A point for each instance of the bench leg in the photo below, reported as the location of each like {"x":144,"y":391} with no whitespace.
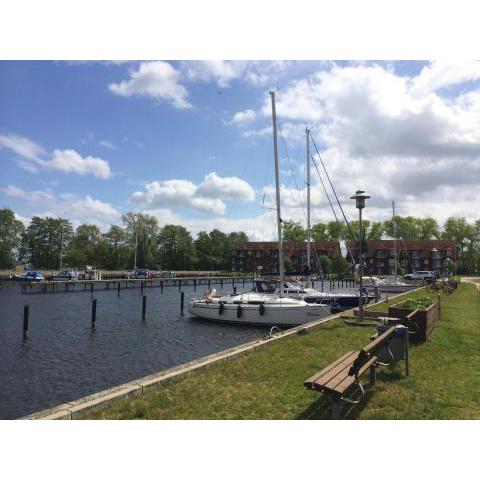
{"x":336,"y":407}
{"x":373,"y":375}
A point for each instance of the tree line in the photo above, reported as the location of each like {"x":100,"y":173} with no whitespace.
{"x":50,"y":243}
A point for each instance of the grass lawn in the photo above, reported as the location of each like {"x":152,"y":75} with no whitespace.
{"x":444,"y":380}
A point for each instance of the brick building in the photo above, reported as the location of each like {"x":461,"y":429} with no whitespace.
{"x":247,"y":256}
{"x":412,"y":255}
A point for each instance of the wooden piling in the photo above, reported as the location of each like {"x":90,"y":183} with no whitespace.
{"x":26,"y":311}
{"x":234,"y":290}
{"x":94,"y":312}
{"x":118,"y":289}
{"x":144,"y":307}
{"x":182,"y":300}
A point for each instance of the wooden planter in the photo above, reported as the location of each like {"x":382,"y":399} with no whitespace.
{"x":421,"y":322}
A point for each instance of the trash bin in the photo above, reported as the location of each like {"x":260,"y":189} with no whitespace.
{"x":396,"y":345}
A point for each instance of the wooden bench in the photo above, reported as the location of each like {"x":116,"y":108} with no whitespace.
{"x":340,"y":381}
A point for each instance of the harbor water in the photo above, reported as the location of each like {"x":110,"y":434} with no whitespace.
{"x":63,"y":358}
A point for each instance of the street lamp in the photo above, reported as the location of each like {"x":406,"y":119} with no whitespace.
{"x":434,"y":251}
{"x":360,"y":197}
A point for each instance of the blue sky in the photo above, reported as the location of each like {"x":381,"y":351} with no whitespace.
{"x":190,"y":142}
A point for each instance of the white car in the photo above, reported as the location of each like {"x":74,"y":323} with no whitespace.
{"x":420,"y":275}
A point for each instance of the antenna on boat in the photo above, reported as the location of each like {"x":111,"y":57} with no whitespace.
{"x":277,"y":191}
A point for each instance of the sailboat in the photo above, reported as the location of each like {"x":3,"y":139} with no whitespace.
{"x":337,"y":302}
{"x":260,"y":308}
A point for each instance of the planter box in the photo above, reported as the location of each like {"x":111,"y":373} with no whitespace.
{"x":422,"y":322}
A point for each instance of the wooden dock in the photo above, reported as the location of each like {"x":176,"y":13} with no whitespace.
{"x":63,"y":286}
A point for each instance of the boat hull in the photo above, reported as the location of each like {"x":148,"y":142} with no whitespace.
{"x":251,"y":314}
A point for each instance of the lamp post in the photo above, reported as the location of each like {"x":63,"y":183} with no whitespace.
{"x":360,"y":197}
{"x":434,"y":257}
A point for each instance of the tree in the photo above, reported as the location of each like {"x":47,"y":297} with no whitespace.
{"x":141,"y":232}
{"x":11,"y":231}
{"x":325,"y":264}
{"x":428,"y":228}
{"x":84,"y":246}
{"x":375,"y":231}
{"x":117,"y":249}
{"x":319,"y":232}
{"x":337,"y":231}
{"x":45,"y":241}
{"x":293,"y":231}
{"x":339,"y":264}
{"x":176,"y":250}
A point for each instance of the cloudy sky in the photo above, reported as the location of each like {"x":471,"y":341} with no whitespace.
{"x":191,"y":142}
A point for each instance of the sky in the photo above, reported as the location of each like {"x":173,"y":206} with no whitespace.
{"x":190,"y":142}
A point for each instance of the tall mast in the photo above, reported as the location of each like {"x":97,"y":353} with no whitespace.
{"x":136,"y":248}
{"x":277,"y":190}
{"x":307,"y":134}
{"x":394,"y":237}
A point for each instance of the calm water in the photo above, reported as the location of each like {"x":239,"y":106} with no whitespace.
{"x":63,"y":359}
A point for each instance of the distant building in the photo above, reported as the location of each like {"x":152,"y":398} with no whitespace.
{"x":247,"y":256}
{"x":412,"y":255}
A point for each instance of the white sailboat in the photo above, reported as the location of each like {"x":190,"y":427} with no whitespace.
{"x":257,"y":308}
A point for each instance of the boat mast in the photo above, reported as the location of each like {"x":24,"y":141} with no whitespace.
{"x":307,"y":134}
{"x":277,"y":190}
{"x":394,"y":237}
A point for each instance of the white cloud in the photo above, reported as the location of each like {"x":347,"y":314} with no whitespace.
{"x":223,"y":72}
{"x":243,"y":117}
{"x":158,"y":80}
{"x":70,"y":161}
{"x":205,"y":197}
{"x":107,"y":144}
{"x":225,"y":187}
{"x":89,"y":207}
{"x":74,"y":207}
{"x":21,"y":146}
{"x":34,"y":158}
{"x":439,"y":74}
{"x":32,"y":196}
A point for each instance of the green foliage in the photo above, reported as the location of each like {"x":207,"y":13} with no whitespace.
{"x":176,"y":250}
{"x":45,"y":240}
{"x":339,"y":264}
{"x":421,"y":303}
{"x":11,"y":232}
{"x":325,"y":264}
{"x":293,"y":231}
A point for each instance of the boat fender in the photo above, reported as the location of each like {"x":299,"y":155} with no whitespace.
{"x":262,"y":309}
{"x":239,"y":311}
{"x":221,"y":308}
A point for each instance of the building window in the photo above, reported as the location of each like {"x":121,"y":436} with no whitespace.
{"x":380,"y":254}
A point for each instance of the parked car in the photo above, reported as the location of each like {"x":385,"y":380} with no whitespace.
{"x":141,"y":273}
{"x":29,"y":276}
{"x":68,"y":274}
{"x":420,"y":275}
{"x":371,"y":281}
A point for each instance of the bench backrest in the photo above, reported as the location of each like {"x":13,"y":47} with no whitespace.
{"x":366,"y":352}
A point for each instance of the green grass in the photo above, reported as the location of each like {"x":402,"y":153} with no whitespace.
{"x":268,"y":383}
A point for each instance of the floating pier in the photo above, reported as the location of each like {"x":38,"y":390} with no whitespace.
{"x":62,"y":286}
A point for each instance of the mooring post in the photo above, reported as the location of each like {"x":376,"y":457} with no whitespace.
{"x":91,"y":289}
{"x":234,"y":290}
{"x":195,"y":284}
{"x":182,"y":300}
{"x":179,"y":284}
{"x":118,"y":289}
{"x":94,"y":312}
{"x":144,"y":306}
{"x":209,"y":282}
{"x":141,"y":287}
{"x":26,"y":310}
{"x":161,"y":286}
